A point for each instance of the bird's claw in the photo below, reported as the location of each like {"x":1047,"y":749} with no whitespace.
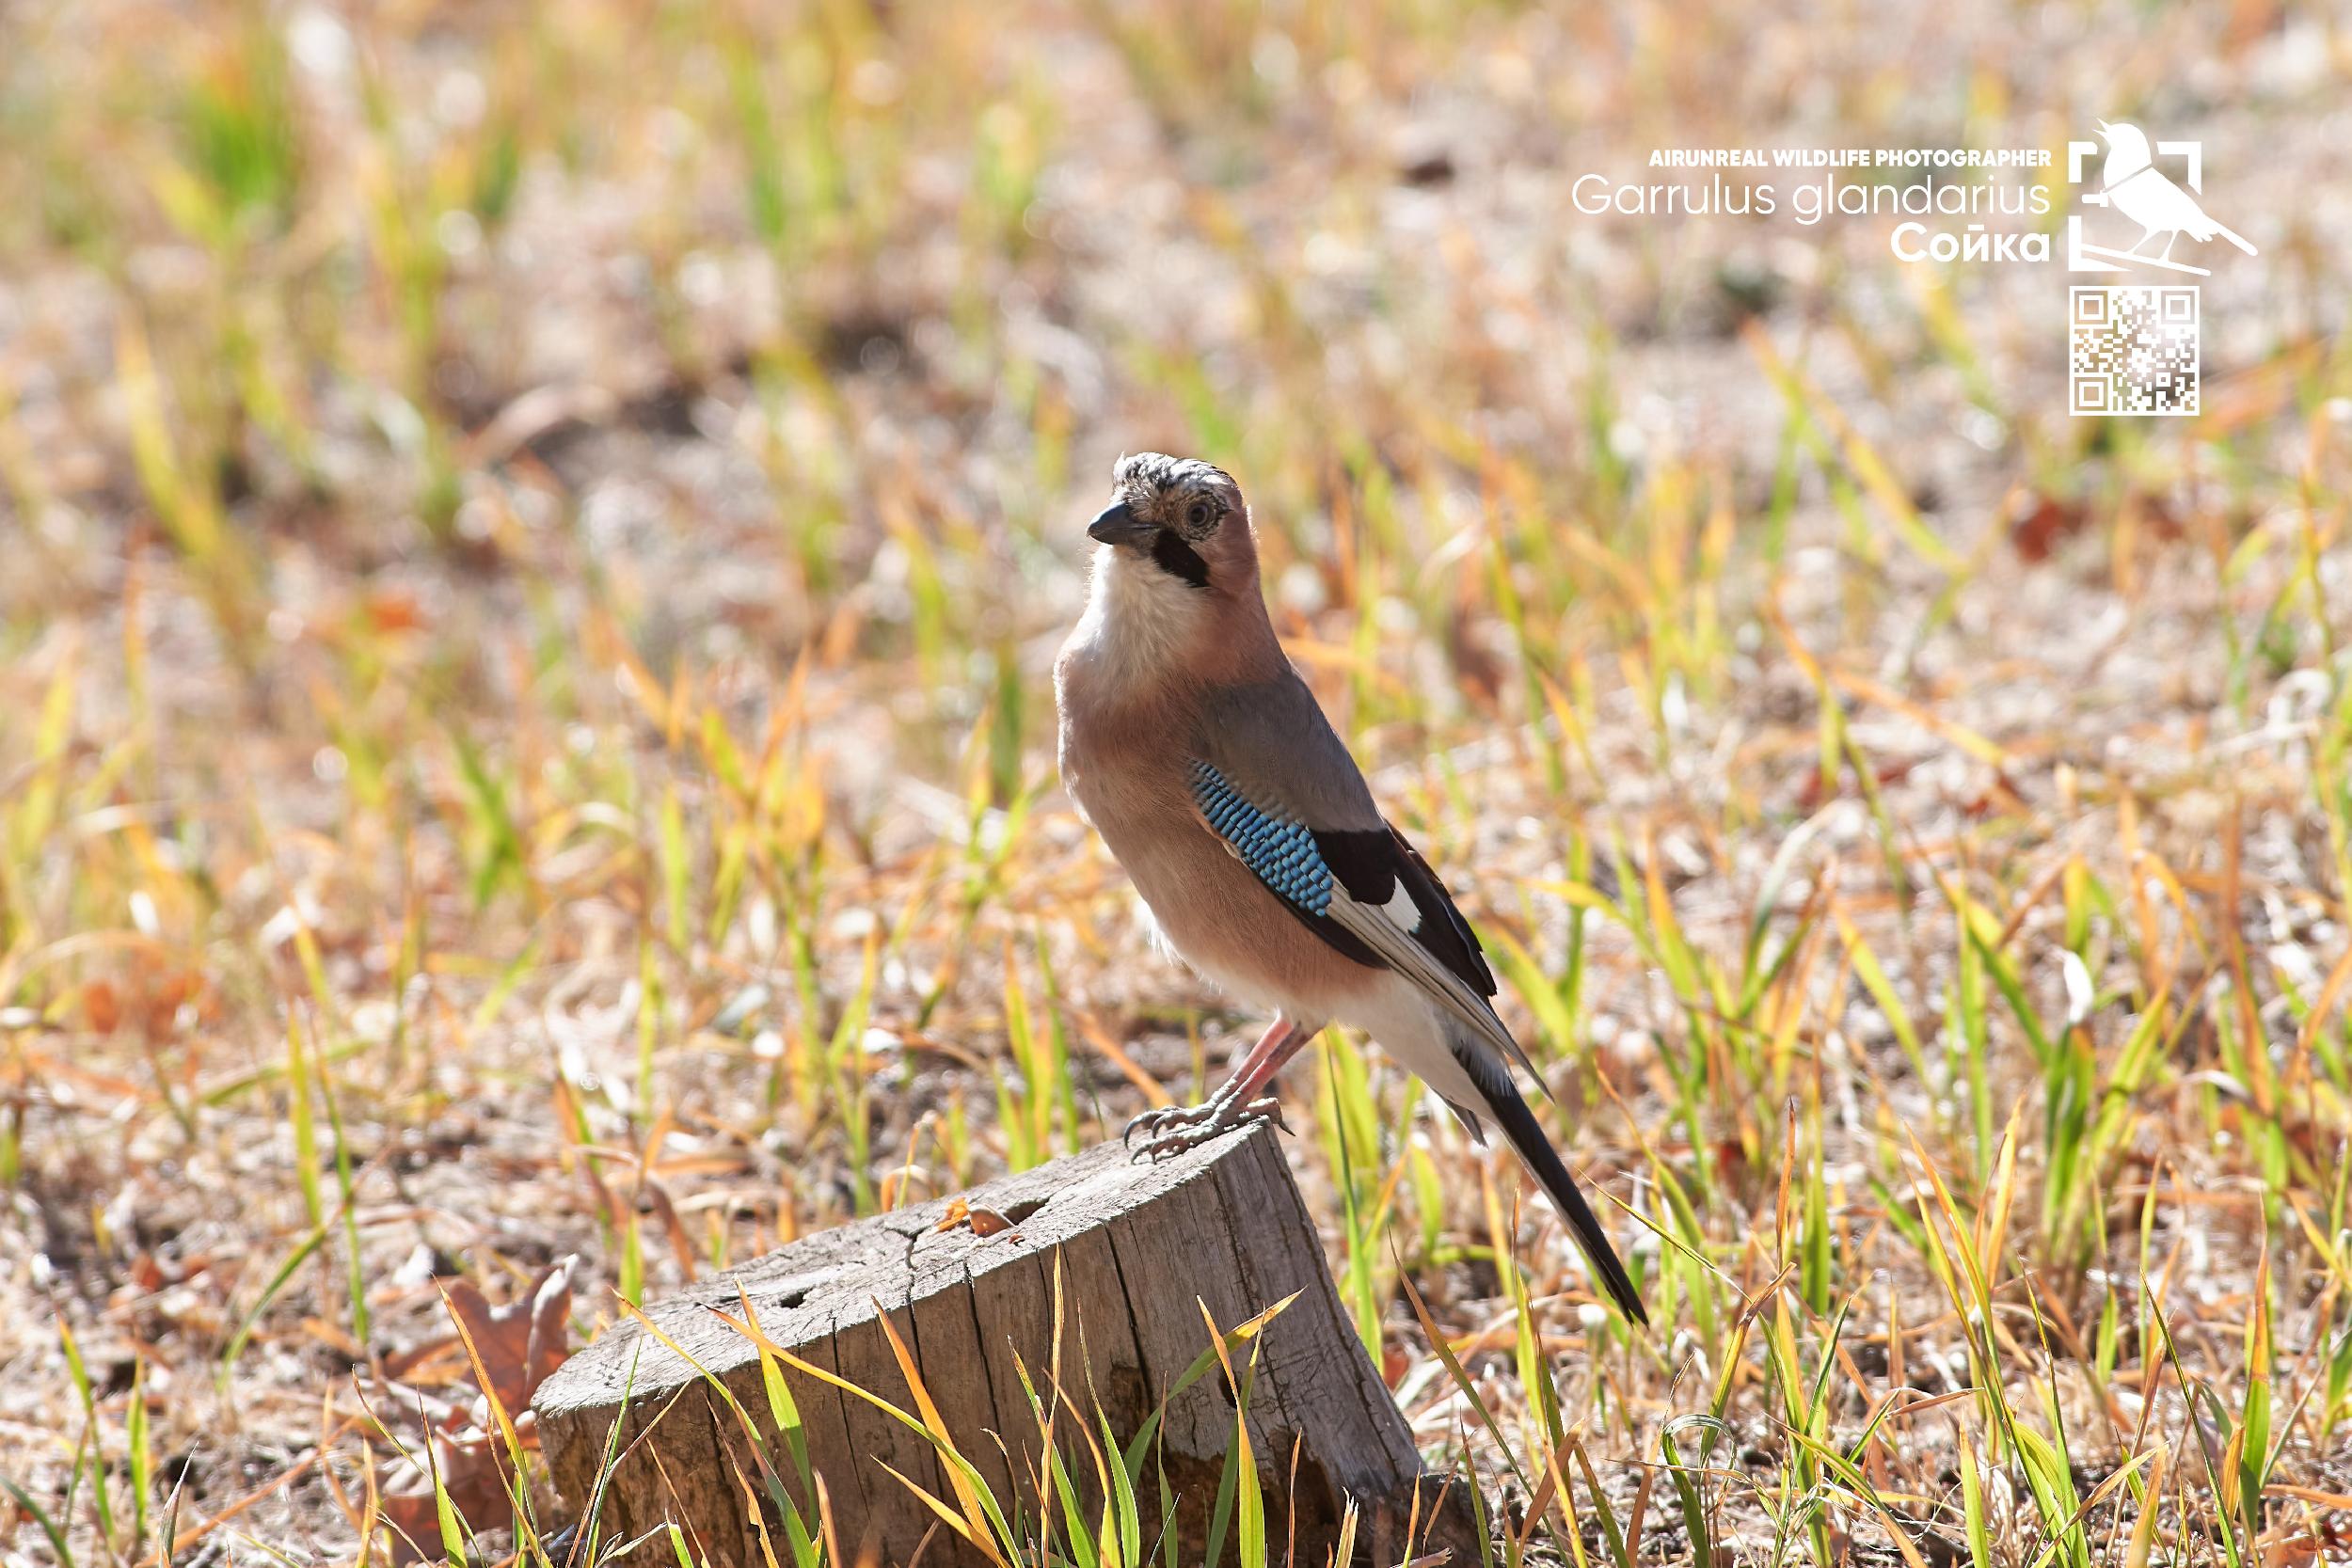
{"x":1159,"y":1119}
{"x":1173,"y":1129}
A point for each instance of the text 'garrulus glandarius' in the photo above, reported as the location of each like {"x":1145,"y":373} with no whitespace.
{"x":1195,"y":750}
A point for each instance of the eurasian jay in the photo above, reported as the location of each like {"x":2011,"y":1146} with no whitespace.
{"x":1194,"y":749}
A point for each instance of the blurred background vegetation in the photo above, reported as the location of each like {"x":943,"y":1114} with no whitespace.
{"x":531,"y":540}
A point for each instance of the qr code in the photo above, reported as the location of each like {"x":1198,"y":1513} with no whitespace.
{"x":2132,"y":350}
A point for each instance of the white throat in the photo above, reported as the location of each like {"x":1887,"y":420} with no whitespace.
{"x":1140,"y":620}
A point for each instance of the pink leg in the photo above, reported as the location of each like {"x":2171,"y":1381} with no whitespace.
{"x":1275,"y":1048}
{"x":1236,"y":1102}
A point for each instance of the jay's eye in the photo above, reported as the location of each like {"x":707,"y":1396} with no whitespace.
{"x":1197,"y":514}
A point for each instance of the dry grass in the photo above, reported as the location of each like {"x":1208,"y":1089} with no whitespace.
{"x":534,"y":536}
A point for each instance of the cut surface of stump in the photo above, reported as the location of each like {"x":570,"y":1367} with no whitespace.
{"x":1141,"y":1248}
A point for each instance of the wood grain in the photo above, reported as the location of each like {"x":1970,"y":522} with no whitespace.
{"x":1139,"y":1247}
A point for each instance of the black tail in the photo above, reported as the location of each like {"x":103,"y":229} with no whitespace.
{"x":1518,"y":1125}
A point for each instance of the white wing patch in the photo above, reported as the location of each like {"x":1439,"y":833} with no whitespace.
{"x":1401,"y":909}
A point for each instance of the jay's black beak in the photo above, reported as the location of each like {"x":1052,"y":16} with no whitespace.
{"x":1117,"y":525}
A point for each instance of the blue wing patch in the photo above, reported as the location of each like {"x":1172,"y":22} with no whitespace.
{"x":1280,"y":851}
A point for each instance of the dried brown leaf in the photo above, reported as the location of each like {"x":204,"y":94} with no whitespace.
{"x":522,"y":1343}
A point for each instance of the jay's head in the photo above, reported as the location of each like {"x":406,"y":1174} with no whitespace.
{"x":1181,"y":522}
{"x":1175,"y":573}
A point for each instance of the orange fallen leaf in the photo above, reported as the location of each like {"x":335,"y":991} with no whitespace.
{"x":2044,"y":524}
{"x":391,"y":612}
{"x":334,"y":1338}
{"x":983,"y":1222}
{"x":472,"y":1468}
{"x":522,"y":1343}
{"x":100,"y":1008}
{"x":519,"y":1344}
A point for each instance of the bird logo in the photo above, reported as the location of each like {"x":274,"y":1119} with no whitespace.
{"x":2131,"y":185}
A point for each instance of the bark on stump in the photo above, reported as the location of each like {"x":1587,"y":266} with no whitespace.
{"x":1141,"y":1245}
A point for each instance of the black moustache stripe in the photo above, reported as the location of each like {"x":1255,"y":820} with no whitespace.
{"x":1179,"y":559}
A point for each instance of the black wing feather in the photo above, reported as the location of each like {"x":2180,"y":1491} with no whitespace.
{"x":1371,"y":863}
{"x":1454,"y":943}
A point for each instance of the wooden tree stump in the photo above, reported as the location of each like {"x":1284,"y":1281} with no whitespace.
{"x":1141,"y":1245}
